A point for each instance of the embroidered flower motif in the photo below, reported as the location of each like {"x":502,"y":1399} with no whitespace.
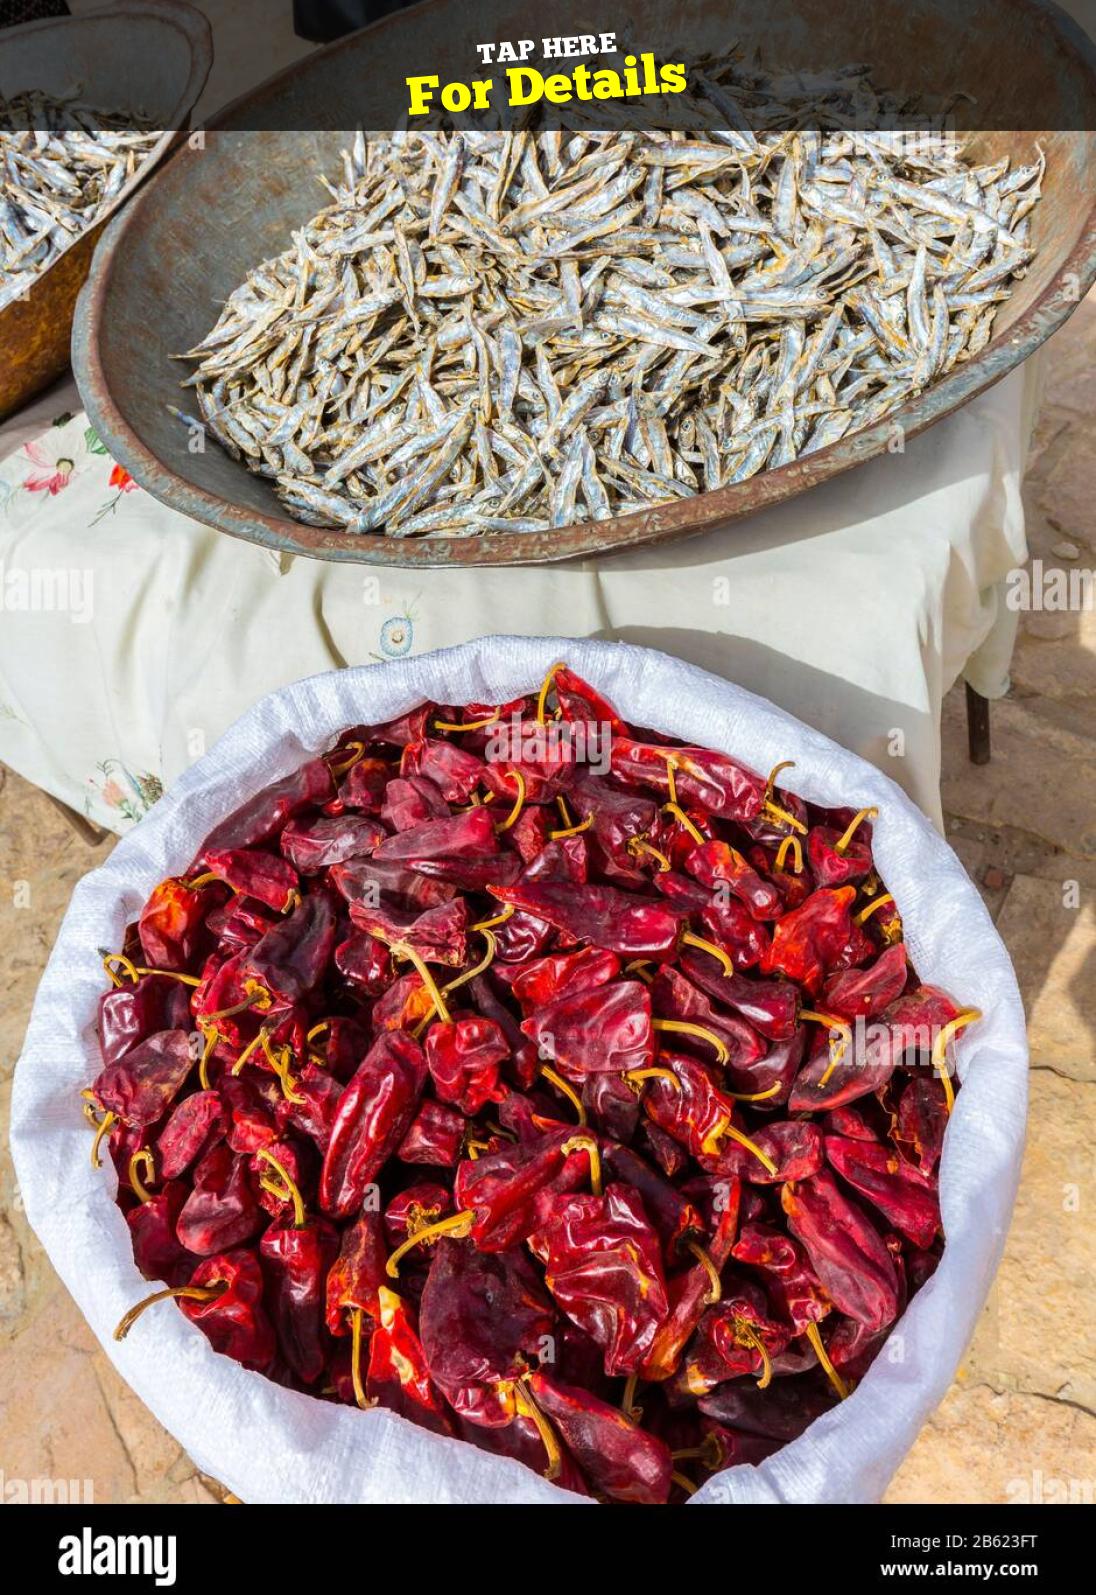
{"x":130,"y":795}
{"x":53,"y":467}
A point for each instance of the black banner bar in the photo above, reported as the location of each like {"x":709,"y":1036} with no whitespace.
{"x":868,"y":65}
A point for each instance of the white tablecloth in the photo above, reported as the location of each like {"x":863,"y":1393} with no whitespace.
{"x":130,"y":637}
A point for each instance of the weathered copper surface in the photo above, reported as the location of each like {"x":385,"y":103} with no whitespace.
{"x":35,"y":332}
{"x":191,"y":236}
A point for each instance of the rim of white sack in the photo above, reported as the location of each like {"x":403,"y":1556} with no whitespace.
{"x":706,"y":710}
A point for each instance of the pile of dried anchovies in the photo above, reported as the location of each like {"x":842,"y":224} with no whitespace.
{"x":497,"y":331}
{"x":61,"y":164}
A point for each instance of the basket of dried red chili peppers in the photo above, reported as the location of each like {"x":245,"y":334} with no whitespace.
{"x":556,"y":1084}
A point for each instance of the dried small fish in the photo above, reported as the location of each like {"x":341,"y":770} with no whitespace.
{"x":61,"y":164}
{"x":506,"y":331}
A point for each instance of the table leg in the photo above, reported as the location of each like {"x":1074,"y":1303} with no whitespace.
{"x":93,"y":835}
{"x":978,"y":742}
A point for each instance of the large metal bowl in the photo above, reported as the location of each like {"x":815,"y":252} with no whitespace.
{"x":92,"y":50}
{"x":192,"y":235}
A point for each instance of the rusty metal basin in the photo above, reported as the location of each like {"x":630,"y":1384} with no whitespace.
{"x":192,"y":235}
{"x":53,"y":55}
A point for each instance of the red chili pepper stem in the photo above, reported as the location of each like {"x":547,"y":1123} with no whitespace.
{"x":683,"y":1482}
{"x":639,"y":847}
{"x":940,"y":1050}
{"x":280,"y":1066}
{"x":688,"y":939}
{"x":257,"y":997}
{"x":709,"y":1452}
{"x":458,"y":1225}
{"x":840,"y":1027}
{"x":142,"y":1158}
{"x":572,"y":830}
{"x":340,"y":767}
{"x":587,"y":1143}
{"x":402,"y":949}
{"x":289,"y":1193}
{"x":561,"y":1085}
{"x":853,"y":826}
{"x":774,"y":810}
{"x":192,"y":1292}
{"x":497,"y":919}
{"x":135,"y":971}
{"x":866,"y":913}
{"x":519,"y":802}
{"x":103,"y":1129}
{"x":207,"y":878}
{"x":745,"y":1331}
{"x":685,"y":1027}
{"x":633,"y":1413}
{"x":523,"y":1399}
{"x":654,"y":1073}
{"x":793,"y":845}
{"x":545,"y":688}
{"x":705,"y":1261}
{"x":815,"y":1338}
{"x":212,"y":1037}
{"x":755,"y":1096}
{"x":678,"y":813}
{"x":356,"y":1360}
{"x":477,"y":969}
{"x":710,"y":1144}
{"x":469,"y":725}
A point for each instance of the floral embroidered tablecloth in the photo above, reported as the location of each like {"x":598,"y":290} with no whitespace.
{"x":130,"y":636}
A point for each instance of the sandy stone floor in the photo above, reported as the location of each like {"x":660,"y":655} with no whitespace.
{"x":1020,"y":1421}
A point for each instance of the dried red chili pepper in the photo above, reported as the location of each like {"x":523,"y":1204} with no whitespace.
{"x":605,"y":1029}
{"x":398,"y":1377}
{"x":145,"y":1082}
{"x":838,"y":856}
{"x":132,"y":1012}
{"x":807,"y":942}
{"x":542,"y":980}
{"x":715,"y":781}
{"x":852,"y":1263}
{"x":156,"y":1247}
{"x":603,"y":1265}
{"x":263,"y":816}
{"x":863,"y":993}
{"x":695,"y":1288}
{"x":220,"y":1213}
{"x":770,"y":1006}
{"x":297,"y":1259}
{"x":374,"y":1115}
{"x":735,"y":1337}
{"x":170,"y":925}
{"x":620,"y":1460}
{"x":264,"y":876}
{"x":467,"y":835}
{"x":906,"y":1197}
{"x":194,"y":1125}
{"x":314,"y":845}
{"x":606,"y":917}
{"x":290,"y":960}
{"x":435,"y":1136}
{"x":484,"y":1316}
{"x":921,"y":1121}
{"x":464,"y":1058}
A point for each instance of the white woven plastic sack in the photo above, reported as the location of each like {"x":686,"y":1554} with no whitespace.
{"x":270,"y":1444}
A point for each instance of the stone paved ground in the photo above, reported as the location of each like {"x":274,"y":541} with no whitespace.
{"x":1020,"y":1421}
